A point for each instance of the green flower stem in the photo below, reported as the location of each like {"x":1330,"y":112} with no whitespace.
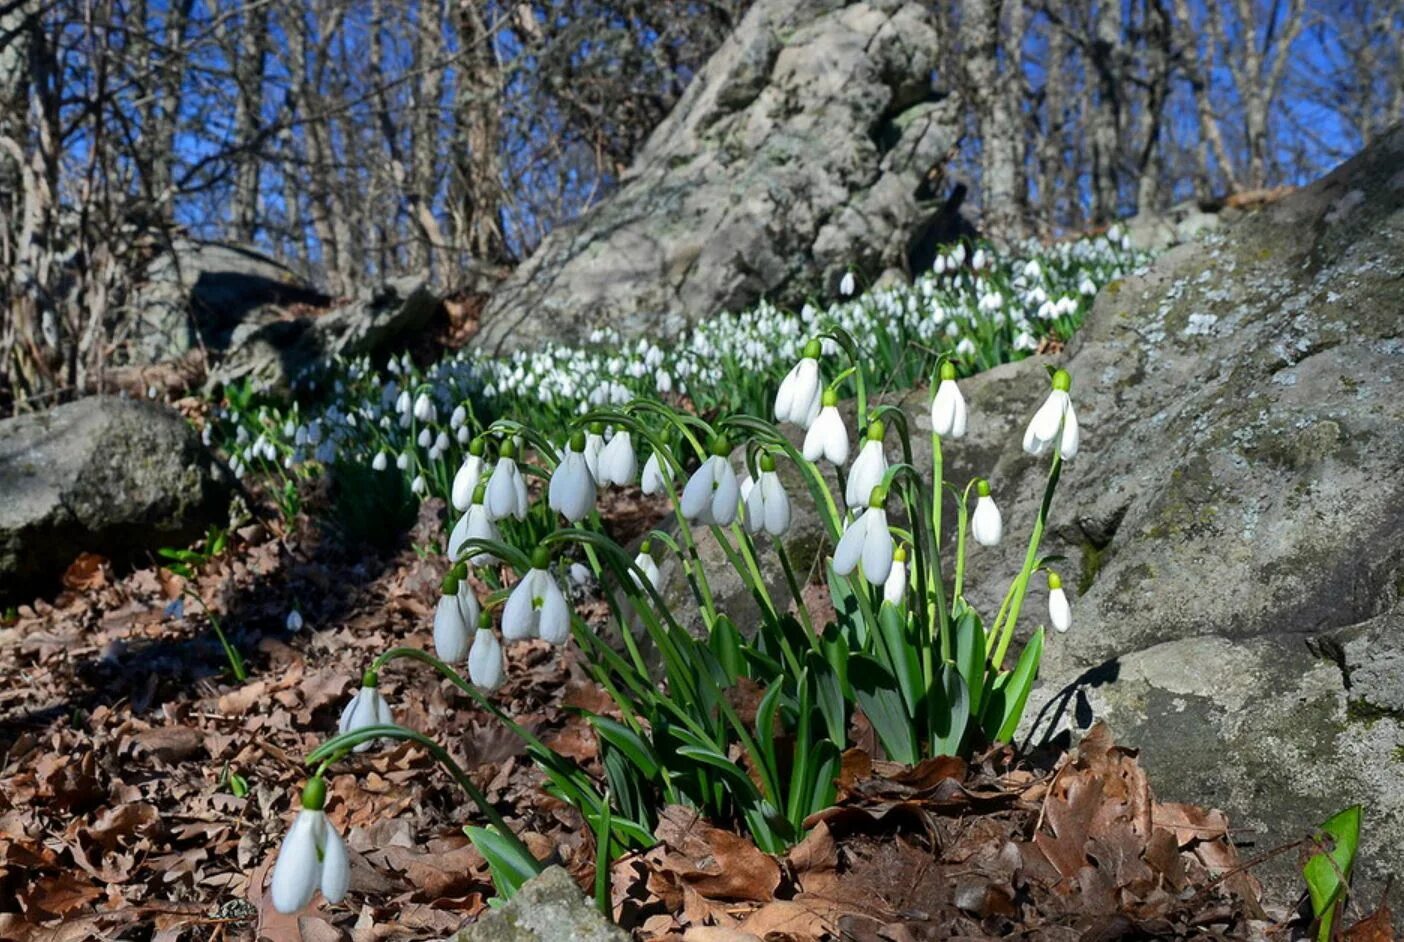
{"x":1021,"y":583}
{"x":352,"y":739}
{"x":962,"y":522}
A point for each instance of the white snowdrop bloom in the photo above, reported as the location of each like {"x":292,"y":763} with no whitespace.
{"x":425,"y":438}
{"x":1055,"y":422}
{"x":798,"y":399}
{"x":468,"y":605}
{"x":1025,"y":341}
{"x":847,"y":284}
{"x":712,"y":494}
{"x":451,"y":638}
{"x":618,"y":464}
{"x":460,"y":415}
{"x":404,"y":403}
{"x":580,"y":575}
{"x":986,"y":524}
{"x":294,"y":621}
{"x":827,"y":437}
{"x":1059,"y":611}
{"x":464,"y":434}
{"x":894,"y":590}
{"x":1032,"y":269}
{"x":506,"y":489}
{"x":977,"y":261}
{"x":1086,"y":287}
{"x":536,"y":608}
{"x":475,"y":524}
{"x":948,"y":412}
{"x":312,"y":856}
{"x":958,"y":253}
{"x":644,"y":561}
{"x":939,"y":266}
{"x":441,"y":443}
{"x":486,"y":667}
{"x":868,"y":468}
{"x":468,"y":476}
{"x":664,"y":381}
{"x":767,"y":504}
{"x":571,"y":492}
{"x":419,"y":486}
{"x":866,"y":540}
{"x":367,"y":708}
{"x":652,"y":482}
{"x":424,"y":409}
{"x":966,"y":348}
{"x":594,"y":445}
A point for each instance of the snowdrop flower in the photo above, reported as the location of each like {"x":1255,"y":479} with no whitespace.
{"x":767,"y":504}
{"x":867,"y":540}
{"x":367,"y":708}
{"x":977,"y":261}
{"x":465,"y":481}
{"x":450,"y":628}
{"x":467,"y":601}
{"x":424,"y":408}
{"x":460,"y":415}
{"x":425,"y":438}
{"x":293,"y":622}
{"x":1059,"y":612}
{"x":594,"y":444}
{"x":868,"y":468}
{"x":473,"y":525}
{"x":948,"y":414}
{"x":571,"y":492}
{"x":986,"y":525}
{"x":312,"y":856}
{"x":403,"y":461}
{"x":404,"y":403}
{"x":966,"y":348}
{"x":652,"y":481}
{"x":1055,"y":422}
{"x":894,"y":590}
{"x":418,"y":486}
{"x":644,"y":561}
{"x":485,"y":661}
{"x":506,"y":490}
{"x":847,"y":285}
{"x":537,"y":608}
{"x":797,"y":401}
{"x":580,"y":575}
{"x":617,"y":462}
{"x":712,"y":494}
{"x":827,"y":437}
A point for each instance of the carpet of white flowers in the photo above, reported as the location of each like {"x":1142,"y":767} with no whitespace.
{"x":977,"y":306}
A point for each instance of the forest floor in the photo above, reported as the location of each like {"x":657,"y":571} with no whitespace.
{"x":125,"y":749}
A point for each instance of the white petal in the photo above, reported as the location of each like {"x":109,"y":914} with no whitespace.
{"x":457,"y":535}
{"x":618,"y":463}
{"x":755,"y":507}
{"x":785,"y":397}
{"x":336,"y":866}
{"x":344,"y":723}
{"x":850,"y":545}
{"x":877,"y":548}
{"x":943,"y":408}
{"x":519,"y":488}
{"x":1059,"y":612}
{"x":652,"y":481}
{"x":450,"y":633}
{"x":894,"y":590}
{"x":518,"y":615}
{"x":986,"y":524}
{"x":1049,"y":416}
{"x":501,"y":498}
{"x":468,"y":604}
{"x":1071,"y":435}
{"x":777,"y":504}
{"x":555,"y":615}
{"x":465,"y":481}
{"x":727,"y":495}
{"x":485,"y":668}
{"x":299,"y":869}
{"x":697,"y":495}
{"x":867,"y":473}
{"x":961,"y":417}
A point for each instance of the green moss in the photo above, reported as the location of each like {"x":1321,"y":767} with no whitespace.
{"x":1363,"y":711}
{"x":1092,"y":558}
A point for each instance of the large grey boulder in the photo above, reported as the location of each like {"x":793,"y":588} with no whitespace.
{"x":1232,"y":524}
{"x":117,"y":477}
{"x":802,"y":148}
{"x":548,"y":908}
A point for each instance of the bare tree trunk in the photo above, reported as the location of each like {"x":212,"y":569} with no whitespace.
{"x":1156,"y":27}
{"x":997,"y":111}
{"x":1105,"y":109}
{"x":477,"y":100}
{"x":249,"y":64}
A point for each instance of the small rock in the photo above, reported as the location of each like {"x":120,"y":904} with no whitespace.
{"x":548,"y":908}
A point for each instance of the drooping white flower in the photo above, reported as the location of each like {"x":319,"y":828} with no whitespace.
{"x":644,"y":561}
{"x":894,"y":590}
{"x":847,"y":284}
{"x":571,"y":492}
{"x":465,"y":481}
{"x":537,"y":608}
{"x":618,"y":464}
{"x":380,"y":462}
{"x":797,"y":401}
{"x":460,"y":415}
{"x":312,"y":856}
{"x":948,"y":413}
{"x":1059,"y":611}
{"x":451,"y":632}
{"x":367,"y":708}
{"x":1055,"y":422}
{"x":424,"y":408}
{"x":652,"y":482}
{"x":473,"y":525}
{"x":419,"y":486}
{"x":485,"y":661}
{"x":767,"y":504}
{"x":293,"y":622}
{"x":827,"y":437}
{"x":986,"y":525}
{"x":506,"y":489}
{"x":867,"y":540}
{"x":712,"y":493}
{"x":467,"y":600}
{"x":868,"y":468}
{"x":594,"y":445}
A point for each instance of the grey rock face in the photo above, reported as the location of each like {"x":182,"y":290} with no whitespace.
{"x":798,"y":151}
{"x":111,"y":476}
{"x":548,"y":908}
{"x":1232,"y":524}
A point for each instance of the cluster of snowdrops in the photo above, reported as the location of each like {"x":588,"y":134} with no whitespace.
{"x":904,"y":647}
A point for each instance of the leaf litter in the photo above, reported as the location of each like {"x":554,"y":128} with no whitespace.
{"x":143,"y":795}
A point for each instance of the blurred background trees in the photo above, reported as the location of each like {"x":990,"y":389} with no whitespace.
{"x":358,"y":139}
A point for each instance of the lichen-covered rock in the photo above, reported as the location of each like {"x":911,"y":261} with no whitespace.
{"x":548,"y":908}
{"x":118,"y":477}
{"x":800,"y":150}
